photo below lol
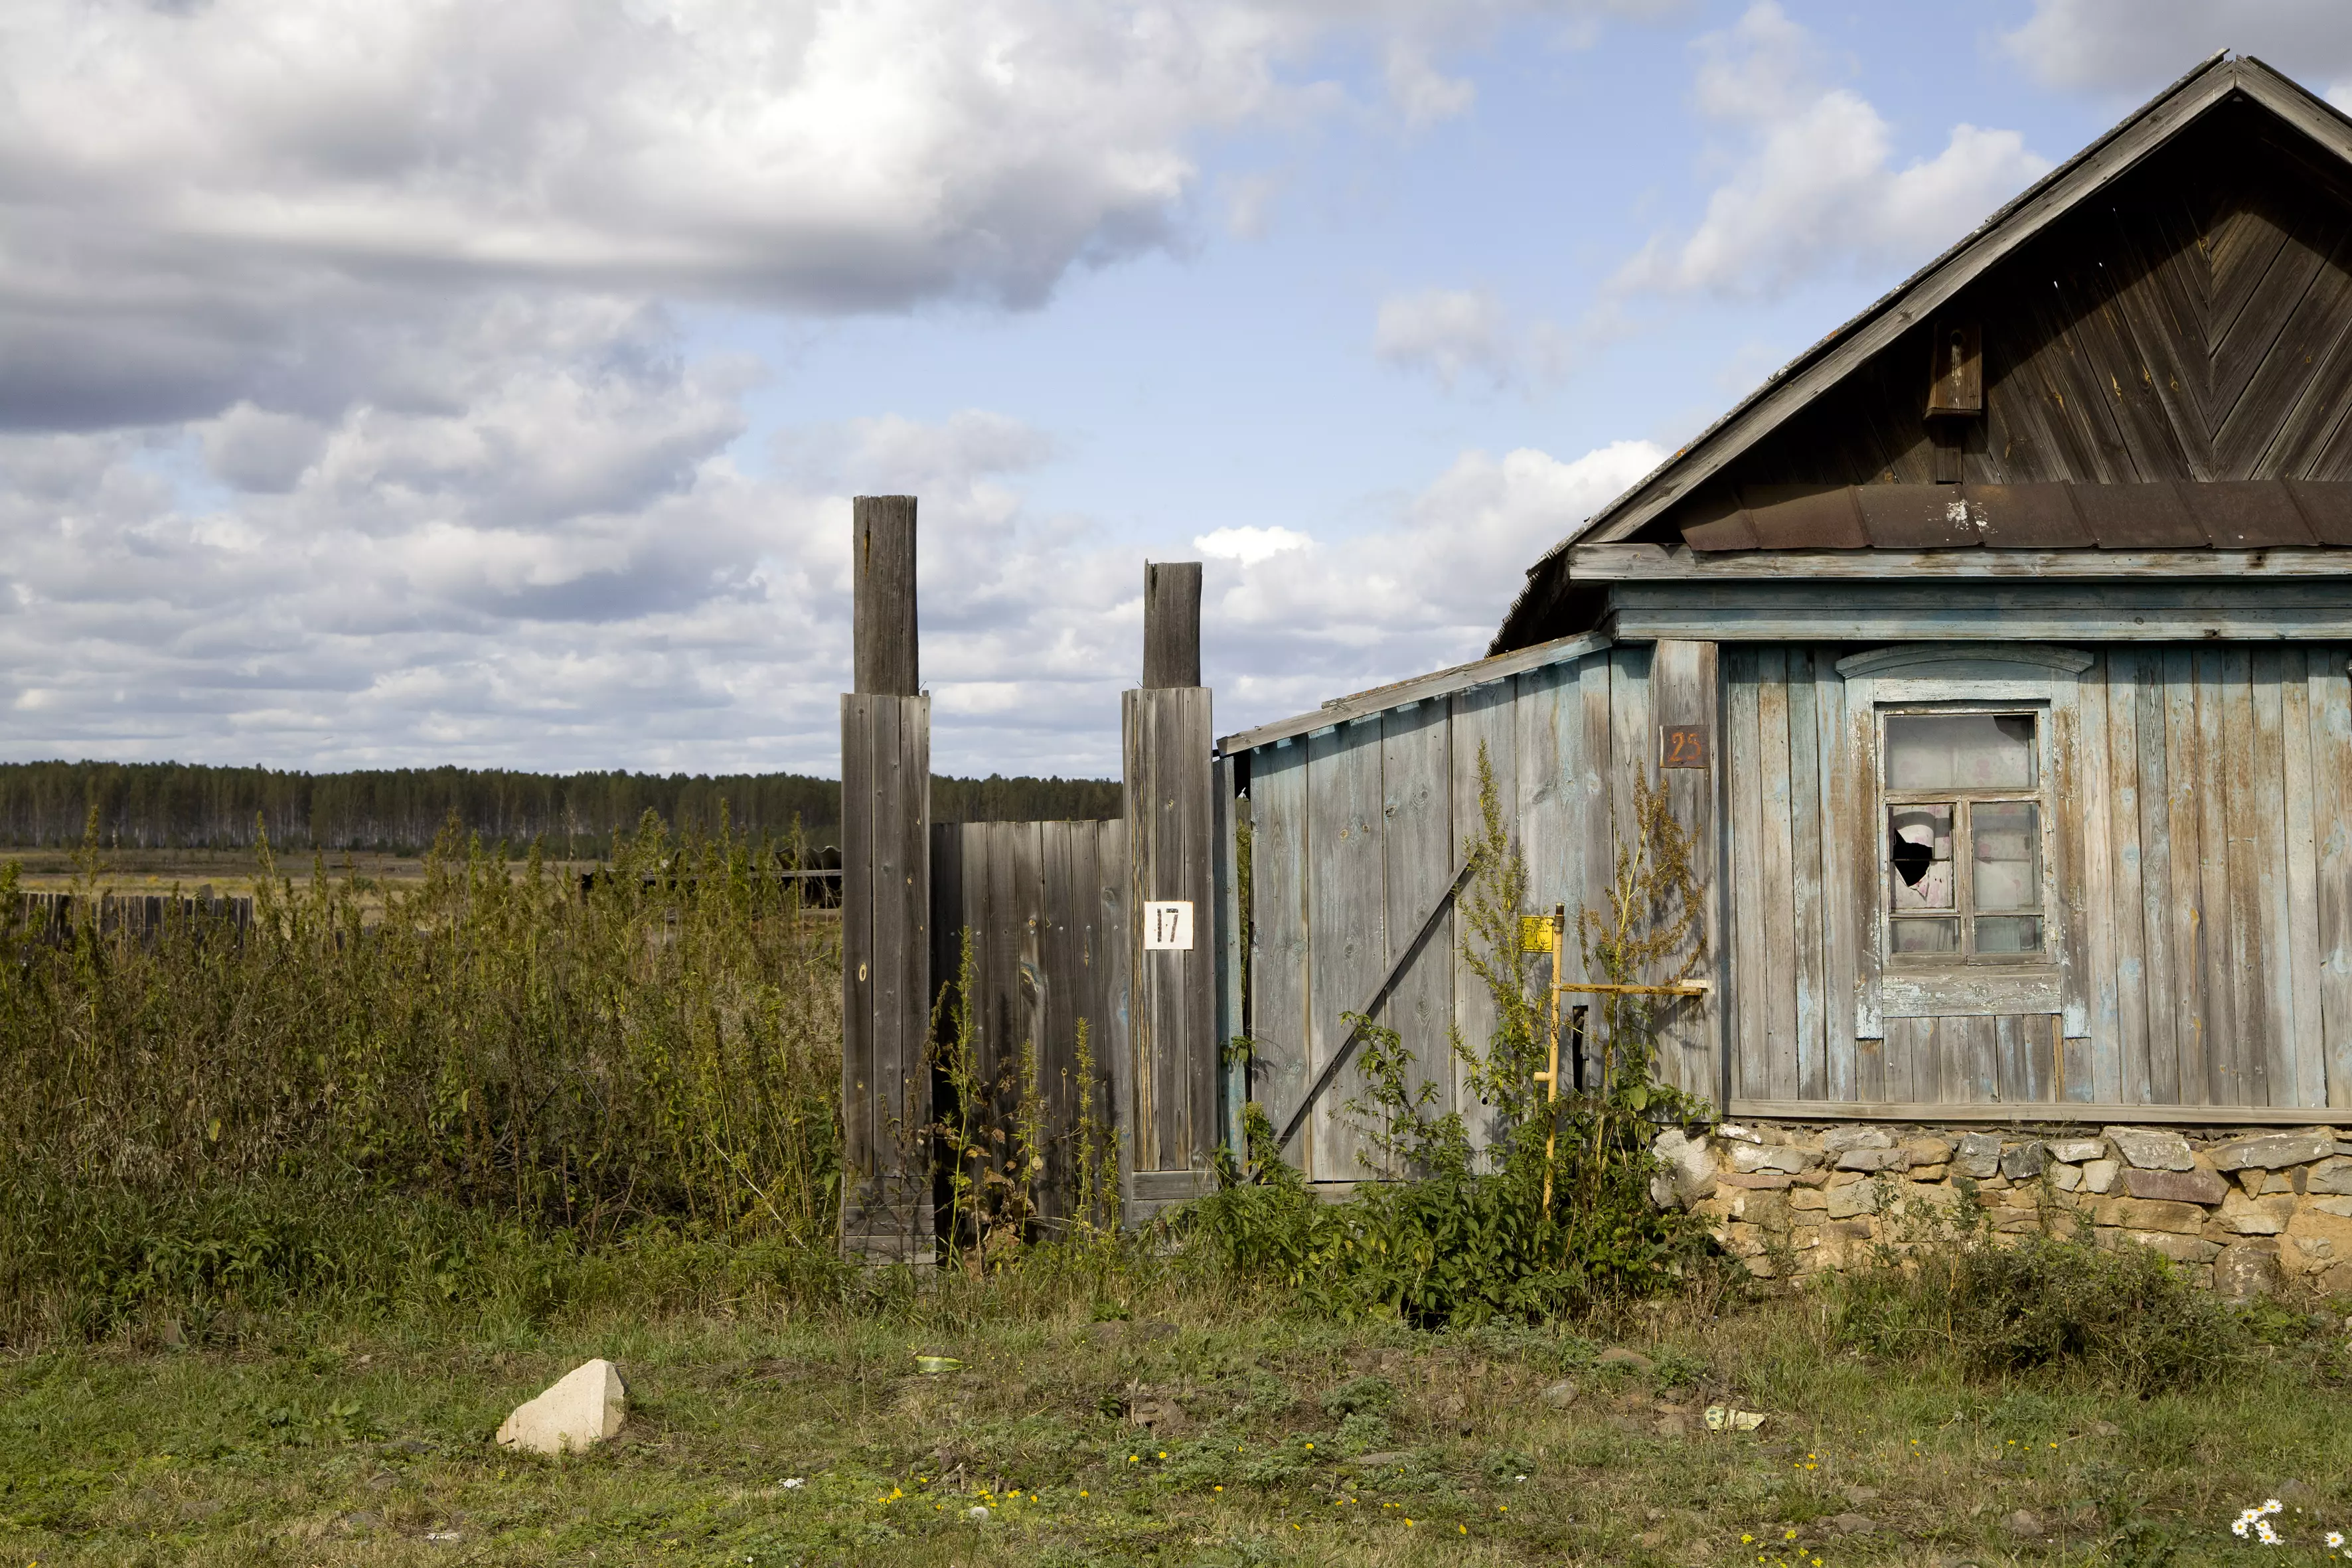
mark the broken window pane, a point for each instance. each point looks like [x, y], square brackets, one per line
[2008, 933]
[1959, 751]
[2005, 838]
[1919, 847]
[1916, 935]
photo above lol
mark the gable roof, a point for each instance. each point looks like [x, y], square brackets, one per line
[1815, 373]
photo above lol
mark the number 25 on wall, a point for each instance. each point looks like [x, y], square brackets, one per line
[1683, 746]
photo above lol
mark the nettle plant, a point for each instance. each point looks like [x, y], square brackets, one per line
[1468, 1234]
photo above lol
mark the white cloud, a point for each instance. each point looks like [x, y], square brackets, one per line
[1424, 94]
[345, 415]
[1814, 184]
[2137, 46]
[1454, 333]
[1421, 591]
[243, 198]
[1250, 545]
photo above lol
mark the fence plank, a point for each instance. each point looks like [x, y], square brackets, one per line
[1481, 716]
[2159, 934]
[2302, 933]
[1281, 934]
[2232, 681]
[2266, 836]
[1417, 843]
[2331, 775]
[1351, 939]
[1779, 998]
[1597, 768]
[2101, 1053]
[2192, 973]
[2130, 982]
[1844, 830]
[1804, 878]
[1744, 757]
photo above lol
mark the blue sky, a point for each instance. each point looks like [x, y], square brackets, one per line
[448, 382]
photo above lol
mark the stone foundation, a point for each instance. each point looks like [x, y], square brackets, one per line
[2246, 1211]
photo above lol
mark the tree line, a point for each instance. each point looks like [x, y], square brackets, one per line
[182, 805]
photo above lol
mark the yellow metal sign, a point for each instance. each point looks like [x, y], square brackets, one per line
[1535, 933]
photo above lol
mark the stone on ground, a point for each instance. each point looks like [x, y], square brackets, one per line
[585, 1406]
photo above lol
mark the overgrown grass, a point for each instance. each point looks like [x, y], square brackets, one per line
[1954, 1293]
[318, 1106]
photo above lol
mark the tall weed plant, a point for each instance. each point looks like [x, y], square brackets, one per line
[1554, 1214]
[658, 1047]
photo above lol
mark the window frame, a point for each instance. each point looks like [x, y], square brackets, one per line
[2001, 675]
[1963, 799]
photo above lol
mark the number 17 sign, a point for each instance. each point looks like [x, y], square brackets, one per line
[1169, 925]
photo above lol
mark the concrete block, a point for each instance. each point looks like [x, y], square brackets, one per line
[583, 1408]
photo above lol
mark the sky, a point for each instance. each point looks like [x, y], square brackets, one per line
[393, 384]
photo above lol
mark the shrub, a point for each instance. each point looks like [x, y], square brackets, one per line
[1997, 1306]
[189, 1113]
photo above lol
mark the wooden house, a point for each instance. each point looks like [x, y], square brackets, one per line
[1995, 650]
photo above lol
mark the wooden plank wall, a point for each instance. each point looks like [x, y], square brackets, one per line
[2208, 899]
[1045, 906]
[1358, 829]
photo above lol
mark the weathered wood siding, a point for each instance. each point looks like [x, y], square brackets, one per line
[2204, 825]
[1046, 906]
[1358, 829]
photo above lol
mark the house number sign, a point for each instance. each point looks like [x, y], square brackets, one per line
[1685, 746]
[1169, 925]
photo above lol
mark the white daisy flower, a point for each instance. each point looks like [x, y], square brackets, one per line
[2268, 1536]
[2335, 1539]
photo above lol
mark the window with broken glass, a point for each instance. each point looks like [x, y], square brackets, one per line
[1966, 807]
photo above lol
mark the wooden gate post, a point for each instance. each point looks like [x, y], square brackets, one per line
[885, 811]
[1168, 1096]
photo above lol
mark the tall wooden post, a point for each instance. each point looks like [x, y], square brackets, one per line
[1694, 1049]
[1170, 1071]
[886, 812]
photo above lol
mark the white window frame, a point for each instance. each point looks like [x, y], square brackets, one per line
[1948, 676]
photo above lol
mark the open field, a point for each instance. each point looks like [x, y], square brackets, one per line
[229, 873]
[1277, 1441]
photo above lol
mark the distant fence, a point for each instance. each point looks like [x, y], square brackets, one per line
[142, 915]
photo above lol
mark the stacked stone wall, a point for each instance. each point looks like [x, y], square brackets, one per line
[2245, 1211]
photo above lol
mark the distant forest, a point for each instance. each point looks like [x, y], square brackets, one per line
[177, 805]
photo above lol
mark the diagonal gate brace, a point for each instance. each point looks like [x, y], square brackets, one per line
[1396, 972]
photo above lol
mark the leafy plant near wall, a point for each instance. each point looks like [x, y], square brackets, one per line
[993, 1145]
[1468, 1237]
